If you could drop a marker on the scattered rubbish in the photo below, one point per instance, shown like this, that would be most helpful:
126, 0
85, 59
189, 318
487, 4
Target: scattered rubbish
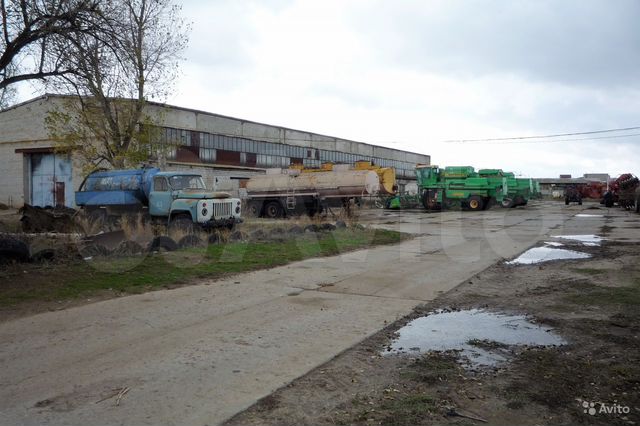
546, 254
117, 393
588, 215
587, 240
454, 412
481, 337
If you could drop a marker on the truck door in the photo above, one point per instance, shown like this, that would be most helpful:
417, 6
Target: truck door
160, 197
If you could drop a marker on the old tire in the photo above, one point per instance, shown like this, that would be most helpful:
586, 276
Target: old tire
273, 210
163, 243
475, 203
13, 250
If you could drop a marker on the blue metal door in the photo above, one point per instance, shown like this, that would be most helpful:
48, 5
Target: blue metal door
160, 198
51, 183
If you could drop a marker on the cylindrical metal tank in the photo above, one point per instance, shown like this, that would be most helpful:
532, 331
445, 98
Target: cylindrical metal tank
349, 183
387, 180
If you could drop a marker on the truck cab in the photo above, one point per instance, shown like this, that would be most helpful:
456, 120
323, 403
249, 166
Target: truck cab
175, 197
181, 196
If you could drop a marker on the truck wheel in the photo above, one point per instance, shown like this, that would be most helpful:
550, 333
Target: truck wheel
507, 203
273, 210
475, 203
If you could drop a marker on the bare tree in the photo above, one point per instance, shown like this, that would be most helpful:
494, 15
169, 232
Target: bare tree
114, 80
31, 30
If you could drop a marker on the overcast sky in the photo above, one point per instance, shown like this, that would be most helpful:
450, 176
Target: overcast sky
411, 74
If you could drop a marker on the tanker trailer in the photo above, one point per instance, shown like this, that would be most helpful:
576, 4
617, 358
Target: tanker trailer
175, 198
282, 193
387, 175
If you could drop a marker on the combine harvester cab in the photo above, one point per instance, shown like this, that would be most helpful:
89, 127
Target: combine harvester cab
177, 198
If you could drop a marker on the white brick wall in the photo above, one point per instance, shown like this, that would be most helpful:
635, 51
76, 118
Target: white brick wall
23, 127
11, 182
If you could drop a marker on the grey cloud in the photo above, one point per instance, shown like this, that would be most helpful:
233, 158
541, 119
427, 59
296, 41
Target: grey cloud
574, 42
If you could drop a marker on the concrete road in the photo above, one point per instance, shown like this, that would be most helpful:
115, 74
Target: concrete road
199, 354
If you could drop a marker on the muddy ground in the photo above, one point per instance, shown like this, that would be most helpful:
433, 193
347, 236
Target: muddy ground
594, 304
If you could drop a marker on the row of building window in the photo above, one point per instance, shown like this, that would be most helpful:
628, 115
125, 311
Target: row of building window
193, 146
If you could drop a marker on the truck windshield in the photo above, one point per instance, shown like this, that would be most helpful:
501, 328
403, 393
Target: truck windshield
186, 182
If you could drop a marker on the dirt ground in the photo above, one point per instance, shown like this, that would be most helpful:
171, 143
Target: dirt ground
594, 304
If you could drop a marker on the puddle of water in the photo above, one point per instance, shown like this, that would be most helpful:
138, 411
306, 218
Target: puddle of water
587, 240
445, 331
588, 215
546, 254
553, 244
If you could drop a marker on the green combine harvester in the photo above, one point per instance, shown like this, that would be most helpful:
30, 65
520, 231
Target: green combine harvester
459, 187
520, 189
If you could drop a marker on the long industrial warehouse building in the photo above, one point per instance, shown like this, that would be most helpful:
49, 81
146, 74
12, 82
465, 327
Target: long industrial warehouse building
226, 150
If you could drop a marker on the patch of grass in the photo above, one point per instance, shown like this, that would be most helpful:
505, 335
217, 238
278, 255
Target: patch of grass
136, 274
551, 379
628, 295
432, 368
408, 410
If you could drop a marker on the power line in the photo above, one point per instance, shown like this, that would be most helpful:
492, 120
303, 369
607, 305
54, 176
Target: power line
543, 136
500, 142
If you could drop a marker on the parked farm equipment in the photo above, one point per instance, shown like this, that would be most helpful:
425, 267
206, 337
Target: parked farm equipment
458, 186
518, 189
573, 194
624, 191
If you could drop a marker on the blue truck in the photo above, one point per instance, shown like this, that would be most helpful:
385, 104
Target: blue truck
176, 198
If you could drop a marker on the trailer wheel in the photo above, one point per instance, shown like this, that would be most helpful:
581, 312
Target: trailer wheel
255, 208
475, 203
273, 210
